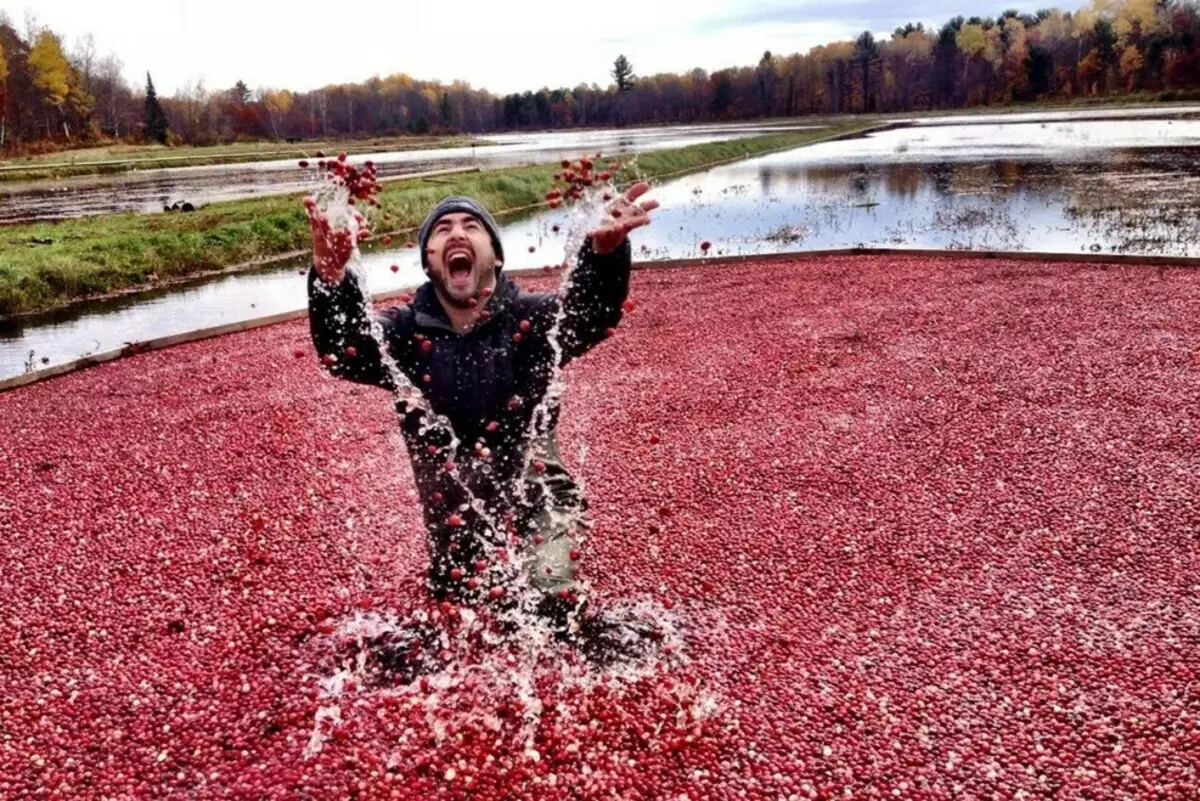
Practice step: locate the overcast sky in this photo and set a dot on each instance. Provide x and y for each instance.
(500, 45)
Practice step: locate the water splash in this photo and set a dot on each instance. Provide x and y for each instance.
(501, 673)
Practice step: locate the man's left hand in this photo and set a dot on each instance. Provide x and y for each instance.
(626, 214)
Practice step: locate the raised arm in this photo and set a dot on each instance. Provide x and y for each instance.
(600, 284)
(340, 319)
(340, 315)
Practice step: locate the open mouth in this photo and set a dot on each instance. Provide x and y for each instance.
(459, 263)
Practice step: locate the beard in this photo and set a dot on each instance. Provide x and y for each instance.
(459, 284)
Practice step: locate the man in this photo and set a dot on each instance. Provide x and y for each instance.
(480, 351)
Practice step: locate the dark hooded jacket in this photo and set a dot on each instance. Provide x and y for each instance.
(486, 383)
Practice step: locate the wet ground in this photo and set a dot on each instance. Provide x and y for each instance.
(148, 191)
(1115, 186)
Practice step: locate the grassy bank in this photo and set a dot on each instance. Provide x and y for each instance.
(123, 158)
(49, 264)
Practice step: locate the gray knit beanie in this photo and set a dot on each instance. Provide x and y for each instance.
(456, 204)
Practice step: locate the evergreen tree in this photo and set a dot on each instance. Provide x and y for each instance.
(623, 74)
(153, 115)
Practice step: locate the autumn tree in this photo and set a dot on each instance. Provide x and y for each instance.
(278, 104)
(723, 95)
(866, 64)
(3, 93)
(51, 74)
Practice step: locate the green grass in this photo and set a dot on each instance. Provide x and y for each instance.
(99, 255)
(122, 158)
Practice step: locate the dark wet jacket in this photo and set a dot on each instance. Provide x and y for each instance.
(487, 382)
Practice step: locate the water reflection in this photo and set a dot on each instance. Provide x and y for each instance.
(1120, 199)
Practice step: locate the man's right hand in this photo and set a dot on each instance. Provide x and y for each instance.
(331, 249)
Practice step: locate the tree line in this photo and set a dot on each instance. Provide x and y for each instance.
(53, 96)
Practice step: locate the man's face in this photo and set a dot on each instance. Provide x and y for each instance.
(462, 260)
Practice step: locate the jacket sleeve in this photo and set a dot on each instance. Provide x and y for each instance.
(599, 286)
(339, 318)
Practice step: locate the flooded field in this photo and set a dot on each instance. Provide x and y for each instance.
(149, 191)
(1098, 186)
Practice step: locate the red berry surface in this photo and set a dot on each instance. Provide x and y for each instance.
(925, 528)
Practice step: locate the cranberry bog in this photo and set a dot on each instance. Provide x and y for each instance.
(925, 528)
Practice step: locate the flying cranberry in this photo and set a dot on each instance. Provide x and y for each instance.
(532, 248)
(610, 332)
(320, 154)
(303, 164)
(705, 245)
(342, 156)
(627, 306)
(496, 592)
(493, 427)
(454, 520)
(516, 337)
(575, 555)
(329, 360)
(525, 325)
(427, 345)
(395, 268)
(387, 240)
(456, 574)
(351, 351)
(437, 497)
(566, 163)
